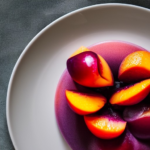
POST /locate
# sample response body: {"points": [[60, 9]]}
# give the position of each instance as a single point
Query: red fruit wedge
{"points": [[90, 70]]}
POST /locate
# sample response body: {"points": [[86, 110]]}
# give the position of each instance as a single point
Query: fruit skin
{"points": [[72, 126], [83, 103], [90, 70], [135, 67], [138, 118], [131, 95], [105, 126]]}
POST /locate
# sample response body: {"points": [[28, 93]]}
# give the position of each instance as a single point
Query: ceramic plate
{"points": [[30, 98]]}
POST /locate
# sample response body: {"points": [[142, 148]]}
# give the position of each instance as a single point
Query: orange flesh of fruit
{"points": [[131, 95], [135, 67], [83, 103], [104, 127], [80, 50], [105, 75]]}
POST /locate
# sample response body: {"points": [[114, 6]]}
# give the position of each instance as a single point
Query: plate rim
{"points": [[35, 38]]}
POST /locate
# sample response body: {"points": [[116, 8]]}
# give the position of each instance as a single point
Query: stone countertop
{"points": [[20, 21]]}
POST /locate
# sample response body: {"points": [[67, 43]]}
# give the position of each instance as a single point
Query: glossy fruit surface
{"points": [[72, 125], [85, 103], [104, 126], [89, 69], [135, 67], [138, 117], [131, 95]]}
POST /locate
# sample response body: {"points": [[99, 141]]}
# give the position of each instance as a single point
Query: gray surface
{"points": [[20, 21]]}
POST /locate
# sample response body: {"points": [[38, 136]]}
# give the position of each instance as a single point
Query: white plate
{"points": [[30, 98]]}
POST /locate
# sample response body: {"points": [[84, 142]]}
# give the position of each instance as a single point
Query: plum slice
{"points": [[135, 67], [90, 70], [85, 103], [131, 95], [72, 125], [105, 126], [138, 118]]}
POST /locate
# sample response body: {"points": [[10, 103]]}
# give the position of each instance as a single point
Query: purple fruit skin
{"points": [[73, 127], [139, 125], [83, 67], [140, 128]]}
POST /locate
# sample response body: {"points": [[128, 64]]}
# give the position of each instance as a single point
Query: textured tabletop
{"points": [[20, 21]]}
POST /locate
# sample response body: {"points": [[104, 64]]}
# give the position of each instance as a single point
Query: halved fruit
{"points": [[105, 126], [135, 67], [138, 118], [83, 103], [131, 95], [90, 69]]}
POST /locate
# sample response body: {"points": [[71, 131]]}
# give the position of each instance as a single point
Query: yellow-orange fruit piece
{"points": [[80, 50], [106, 77], [135, 67], [105, 127], [131, 95], [83, 104]]}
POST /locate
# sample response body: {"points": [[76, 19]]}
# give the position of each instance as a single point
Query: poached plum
{"points": [[89, 69], [73, 126], [138, 118], [85, 103]]}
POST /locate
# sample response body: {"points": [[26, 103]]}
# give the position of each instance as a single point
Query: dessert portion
{"points": [[135, 67], [85, 103], [88, 93], [130, 95], [90, 70], [105, 125]]}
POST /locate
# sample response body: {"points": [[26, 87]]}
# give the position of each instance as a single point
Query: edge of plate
{"points": [[36, 37]]}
